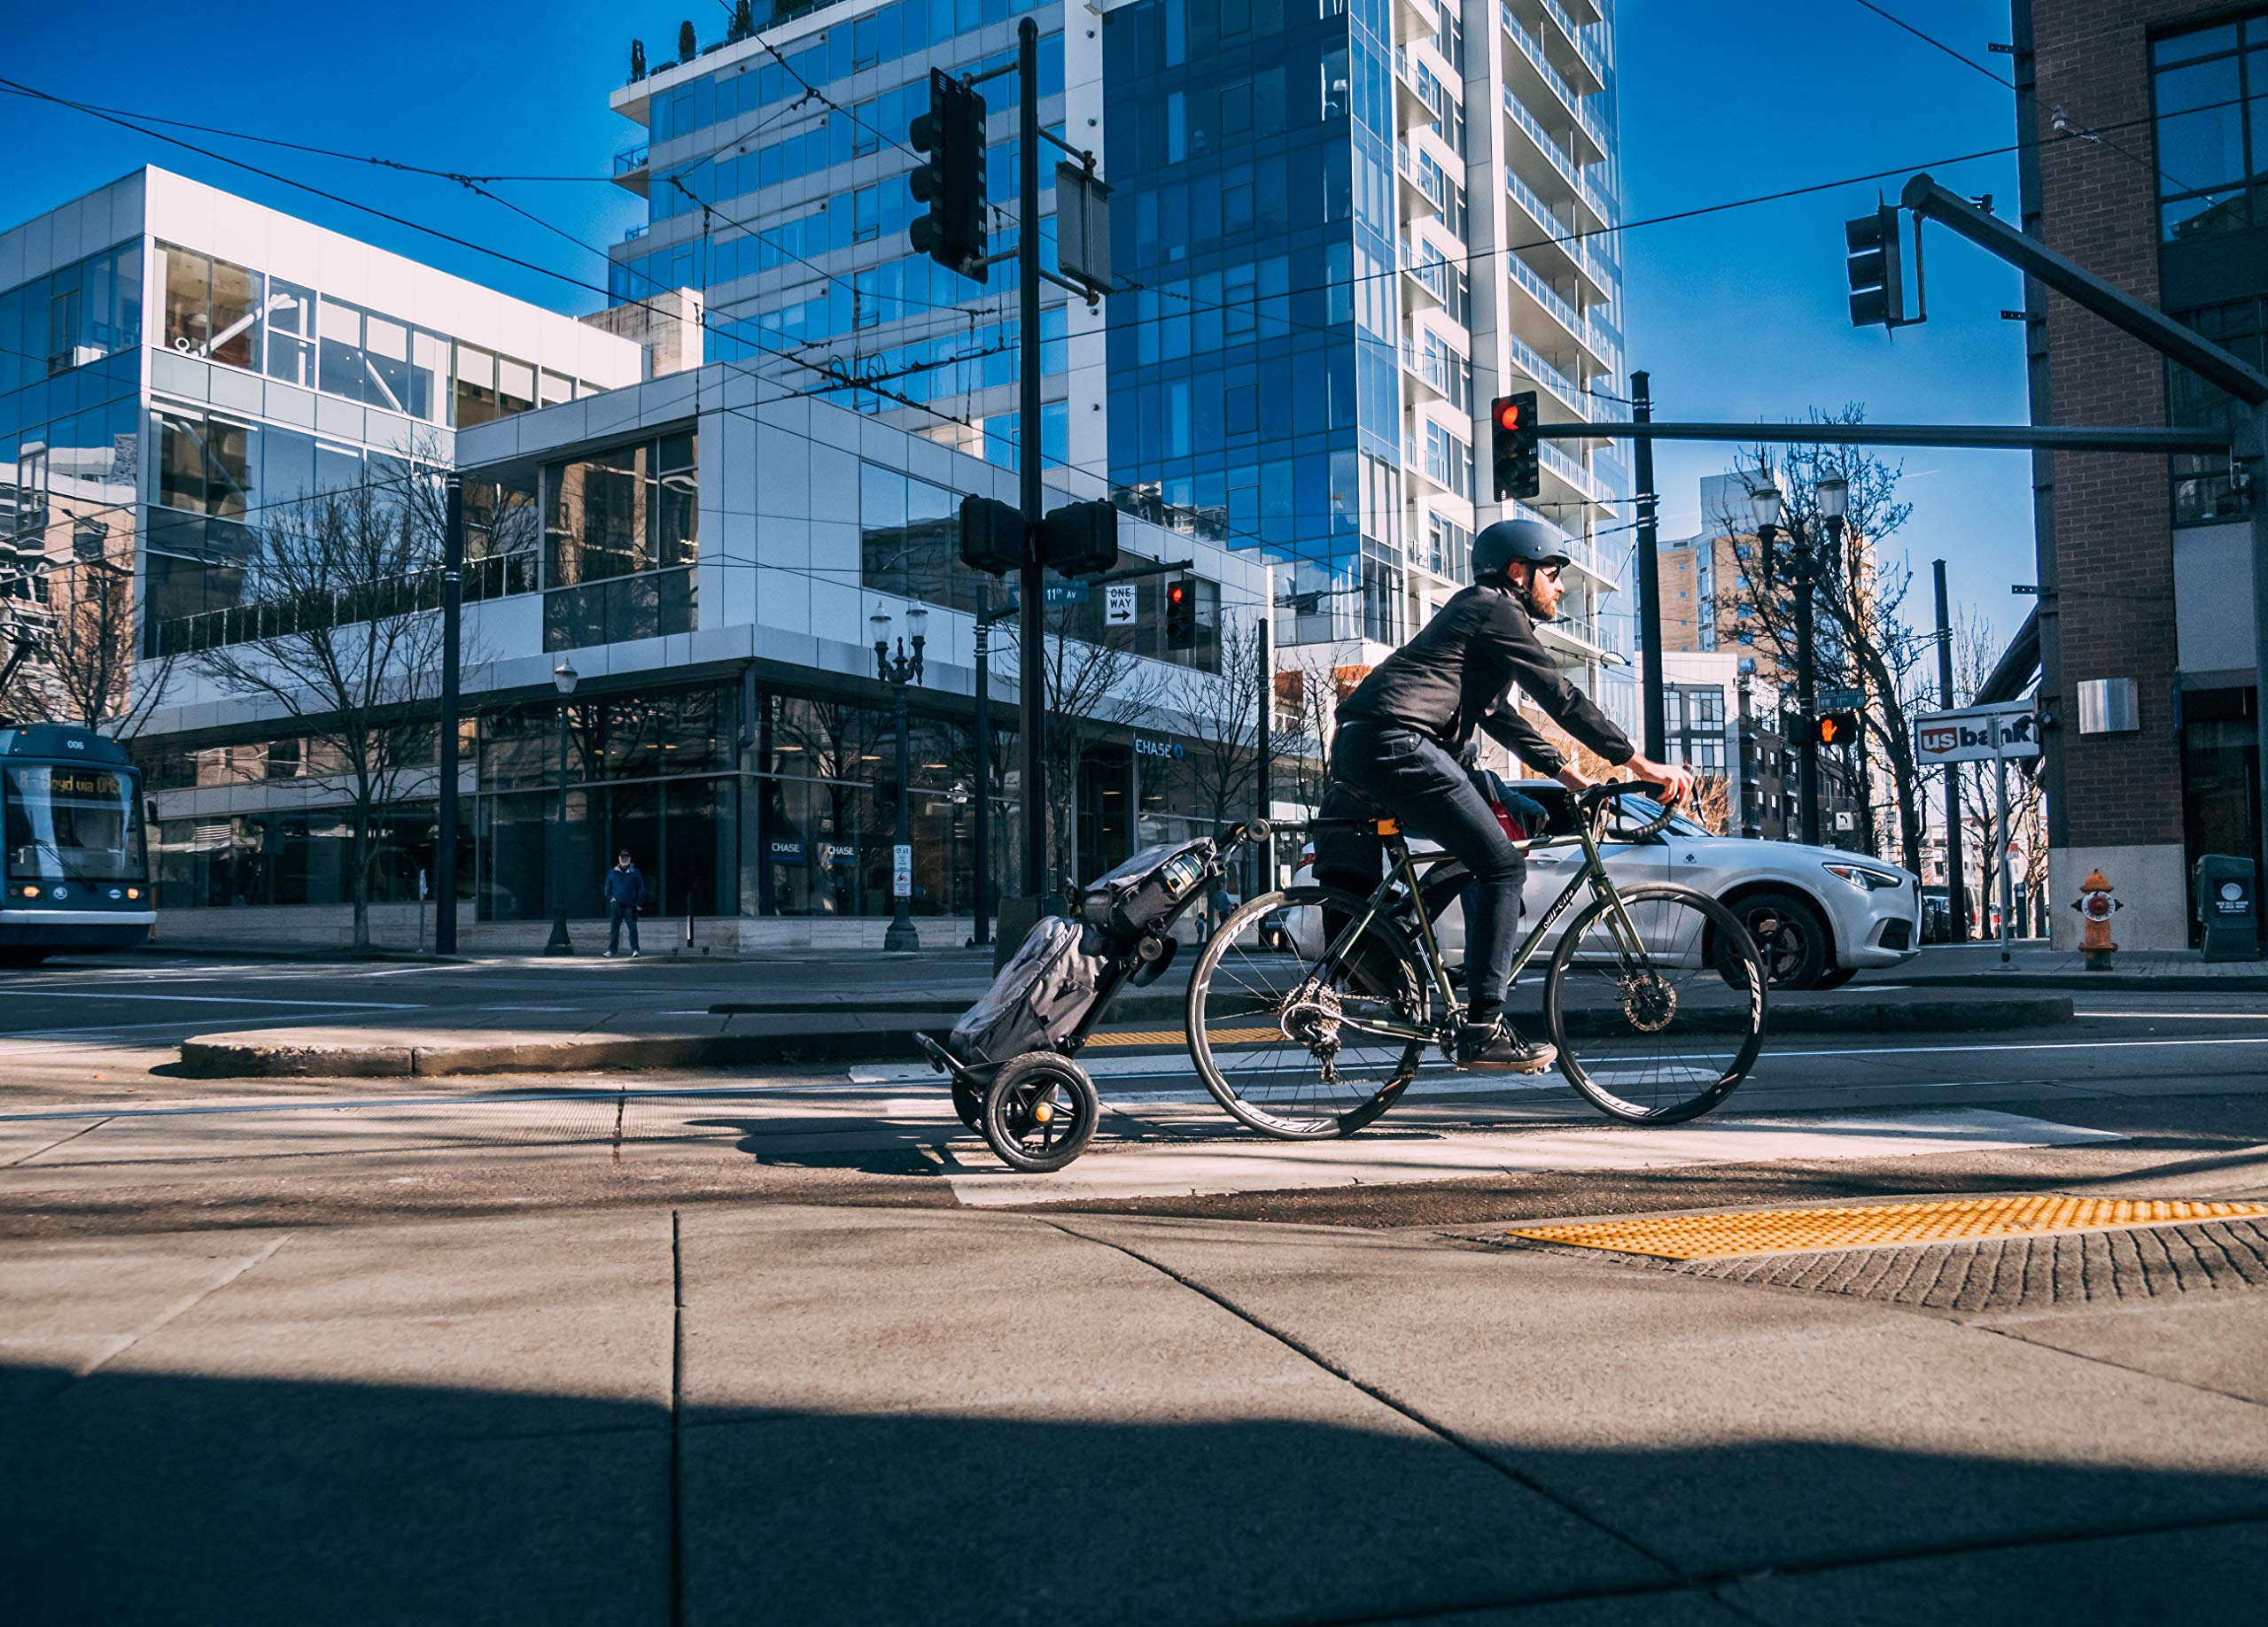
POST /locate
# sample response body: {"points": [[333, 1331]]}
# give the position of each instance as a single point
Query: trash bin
{"points": [[2228, 908]]}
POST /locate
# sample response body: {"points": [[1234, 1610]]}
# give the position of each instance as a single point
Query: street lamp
{"points": [[901, 671], [564, 676]]}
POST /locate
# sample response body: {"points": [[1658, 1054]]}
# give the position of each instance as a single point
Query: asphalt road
{"points": [[94, 1123]]}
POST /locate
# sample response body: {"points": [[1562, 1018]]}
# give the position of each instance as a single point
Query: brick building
{"points": [[2144, 636]]}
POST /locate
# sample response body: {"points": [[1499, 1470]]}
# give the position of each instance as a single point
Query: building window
{"points": [[2203, 494], [2211, 90], [622, 511]]}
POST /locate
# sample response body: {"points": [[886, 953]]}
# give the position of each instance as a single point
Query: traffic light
{"points": [[991, 536], [1512, 434], [1181, 615], [952, 183], [1838, 728], [1877, 269], [1798, 729], [1080, 539]]}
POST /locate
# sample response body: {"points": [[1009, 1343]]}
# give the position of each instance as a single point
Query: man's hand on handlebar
{"points": [[1676, 782]]}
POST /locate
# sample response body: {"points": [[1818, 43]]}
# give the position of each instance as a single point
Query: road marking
{"points": [[2240, 1017], [328, 1005], [1248, 1165]]}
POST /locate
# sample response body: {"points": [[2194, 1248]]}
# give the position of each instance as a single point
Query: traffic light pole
{"points": [[983, 933], [1649, 580], [1033, 678]]}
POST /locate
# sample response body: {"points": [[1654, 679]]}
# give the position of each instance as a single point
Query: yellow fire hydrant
{"points": [[2096, 906]]}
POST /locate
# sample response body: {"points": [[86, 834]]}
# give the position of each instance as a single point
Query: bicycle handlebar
{"points": [[1596, 797]]}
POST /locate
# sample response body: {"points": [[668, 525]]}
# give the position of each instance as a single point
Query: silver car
{"points": [[1820, 915]]}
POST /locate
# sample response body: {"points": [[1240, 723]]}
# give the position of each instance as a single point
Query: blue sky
{"points": [[1737, 315]]}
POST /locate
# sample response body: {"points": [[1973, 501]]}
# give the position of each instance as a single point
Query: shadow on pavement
{"points": [[157, 1498]]}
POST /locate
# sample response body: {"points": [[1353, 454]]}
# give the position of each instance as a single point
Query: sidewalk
{"points": [[2032, 964], [734, 1413]]}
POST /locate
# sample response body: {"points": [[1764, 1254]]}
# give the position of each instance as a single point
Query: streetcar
{"points": [[76, 866]]}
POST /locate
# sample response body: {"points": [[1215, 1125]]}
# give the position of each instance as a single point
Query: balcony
{"points": [[1529, 360], [1428, 277], [1529, 75], [1573, 475], [1592, 73], [1420, 17], [1559, 243], [1553, 158], [1409, 100], [1417, 198], [1432, 370], [630, 168]]}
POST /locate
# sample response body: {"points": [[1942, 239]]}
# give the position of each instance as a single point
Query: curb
{"points": [[224, 1057], [884, 1038]]}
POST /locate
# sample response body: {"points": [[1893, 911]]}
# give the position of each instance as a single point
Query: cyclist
{"points": [[1403, 729]]}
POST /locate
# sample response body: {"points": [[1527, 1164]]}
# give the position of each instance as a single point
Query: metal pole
{"points": [[1265, 792], [1808, 749], [1034, 697], [1649, 581], [1956, 882], [2007, 884], [982, 934], [901, 936], [559, 945], [445, 830]]}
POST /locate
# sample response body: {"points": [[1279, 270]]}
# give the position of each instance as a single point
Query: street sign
{"points": [[901, 870], [1844, 820], [1975, 734], [1118, 605], [1055, 593], [1838, 700]]}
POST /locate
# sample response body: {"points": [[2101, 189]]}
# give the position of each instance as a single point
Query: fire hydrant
{"points": [[2096, 906]]}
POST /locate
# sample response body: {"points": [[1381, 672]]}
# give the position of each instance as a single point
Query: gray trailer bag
{"points": [[1039, 996]]}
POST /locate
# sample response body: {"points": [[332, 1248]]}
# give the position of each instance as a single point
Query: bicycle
{"points": [[1305, 1047]]}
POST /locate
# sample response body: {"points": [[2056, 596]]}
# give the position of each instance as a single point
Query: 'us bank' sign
{"points": [[1977, 734]]}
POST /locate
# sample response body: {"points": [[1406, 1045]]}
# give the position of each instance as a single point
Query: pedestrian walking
{"points": [[626, 890]]}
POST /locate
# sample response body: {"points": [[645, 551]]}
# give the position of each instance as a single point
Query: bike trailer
{"points": [[1039, 997], [1142, 896]]}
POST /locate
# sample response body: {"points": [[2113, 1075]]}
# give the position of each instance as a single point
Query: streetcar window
{"points": [[71, 822]]}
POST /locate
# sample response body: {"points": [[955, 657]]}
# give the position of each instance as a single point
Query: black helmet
{"points": [[1531, 541]]}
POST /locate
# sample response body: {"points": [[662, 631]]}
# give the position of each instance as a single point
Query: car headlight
{"points": [[1864, 877]]}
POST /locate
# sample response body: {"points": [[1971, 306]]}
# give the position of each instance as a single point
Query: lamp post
{"points": [[1764, 506], [901, 671], [564, 676]]}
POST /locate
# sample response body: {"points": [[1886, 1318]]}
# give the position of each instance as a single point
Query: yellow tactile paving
{"points": [[1175, 1037], [1870, 1226]]}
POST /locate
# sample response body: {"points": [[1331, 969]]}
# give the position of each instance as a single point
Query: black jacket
{"points": [[1452, 679]]}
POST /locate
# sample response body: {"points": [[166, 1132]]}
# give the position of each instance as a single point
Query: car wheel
{"points": [[1834, 976], [1790, 936]]}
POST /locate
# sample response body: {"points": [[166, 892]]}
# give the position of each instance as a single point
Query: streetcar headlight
{"points": [[31, 892], [134, 892]]}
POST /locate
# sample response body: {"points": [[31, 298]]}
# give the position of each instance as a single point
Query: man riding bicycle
{"points": [[1406, 737]]}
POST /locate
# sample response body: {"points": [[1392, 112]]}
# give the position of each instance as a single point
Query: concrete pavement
{"points": [[738, 1412]]}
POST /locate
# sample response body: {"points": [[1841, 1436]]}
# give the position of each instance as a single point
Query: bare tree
{"points": [[1222, 713], [1094, 685], [86, 669], [1712, 804], [1976, 651], [340, 633], [1863, 642], [1308, 692]]}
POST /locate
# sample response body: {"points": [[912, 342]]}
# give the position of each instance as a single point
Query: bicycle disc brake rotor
{"points": [[1648, 1002]]}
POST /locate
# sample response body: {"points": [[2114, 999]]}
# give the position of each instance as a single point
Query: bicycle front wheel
{"points": [[1297, 1042], [1658, 1007]]}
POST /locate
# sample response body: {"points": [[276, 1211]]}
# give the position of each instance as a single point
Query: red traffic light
{"points": [[1176, 594], [1508, 414]]}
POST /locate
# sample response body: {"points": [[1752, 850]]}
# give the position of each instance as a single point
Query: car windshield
{"points": [[1637, 810], [70, 821]]}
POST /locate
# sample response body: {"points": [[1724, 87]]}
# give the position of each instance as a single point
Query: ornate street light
{"points": [[901, 671]]}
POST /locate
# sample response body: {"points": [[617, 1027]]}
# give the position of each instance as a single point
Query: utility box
{"points": [[2228, 907]]}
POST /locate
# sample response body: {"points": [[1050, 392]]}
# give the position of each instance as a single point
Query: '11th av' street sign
{"points": [[1975, 734]]}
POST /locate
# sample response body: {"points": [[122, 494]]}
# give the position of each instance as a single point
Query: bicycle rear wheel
{"points": [[1276, 1034], [1661, 1029]]}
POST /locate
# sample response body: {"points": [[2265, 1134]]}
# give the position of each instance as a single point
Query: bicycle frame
{"points": [[1401, 875]]}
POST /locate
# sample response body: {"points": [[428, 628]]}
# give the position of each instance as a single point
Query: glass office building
{"points": [[1341, 226]]}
